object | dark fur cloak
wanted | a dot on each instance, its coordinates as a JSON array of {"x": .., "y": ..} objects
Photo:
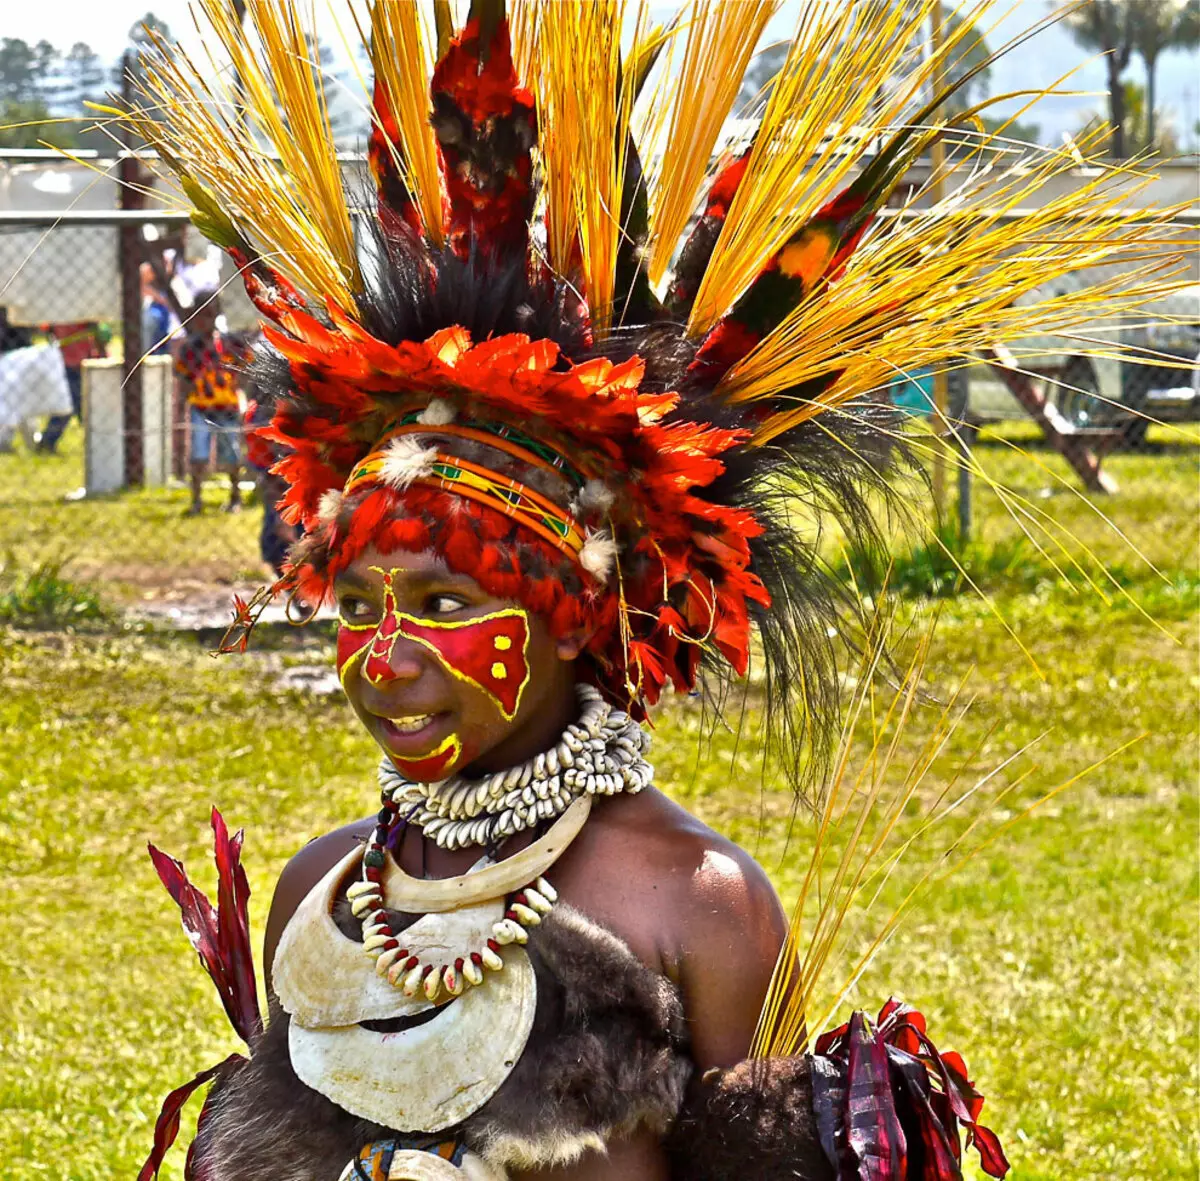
[{"x": 607, "y": 1057}]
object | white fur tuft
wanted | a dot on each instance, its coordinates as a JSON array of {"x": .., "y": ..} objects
[
  {"x": 599, "y": 555},
  {"x": 439, "y": 412},
  {"x": 405, "y": 460},
  {"x": 329, "y": 505},
  {"x": 594, "y": 496}
]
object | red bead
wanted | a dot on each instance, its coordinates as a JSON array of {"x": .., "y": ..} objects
[
  {"x": 476, "y": 959},
  {"x": 391, "y": 943},
  {"x": 493, "y": 946},
  {"x": 520, "y": 898},
  {"x": 458, "y": 964},
  {"x": 428, "y": 969},
  {"x": 511, "y": 914},
  {"x": 411, "y": 963},
  {"x": 372, "y": 874}
]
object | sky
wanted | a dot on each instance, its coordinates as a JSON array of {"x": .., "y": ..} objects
[{"x": 105, "y": 25}]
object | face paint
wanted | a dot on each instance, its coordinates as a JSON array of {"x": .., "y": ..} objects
[
  {"x": 433, "y": 766},
  {"x": 351, "y": 640},
  {"x": 489, "y": 652}
]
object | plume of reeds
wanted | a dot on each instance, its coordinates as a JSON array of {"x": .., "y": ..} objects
[
  {"x": 862, "y": 830},
  {"x": 853, "y": 72},
  {"x": 402, "y": 63},
  {"x": 571, "y": 54},
  {"x": 957, "y": 277},
  {"x": 219, "y": 136},
  {"x": 719, "y": 39}
]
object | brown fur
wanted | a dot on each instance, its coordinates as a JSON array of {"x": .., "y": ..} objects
[
  {"x": 610, "y": 1058},
  {"x": 752, "y": 1122},
  {"x": 607, "y": 1055}
]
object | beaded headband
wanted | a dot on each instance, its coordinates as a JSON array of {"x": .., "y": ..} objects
[{"x": 473, "y": 481}]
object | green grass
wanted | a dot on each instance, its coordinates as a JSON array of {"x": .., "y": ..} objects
[
  {"x": 134, "y": 544},
  {"x": 1062, "y": 961}
]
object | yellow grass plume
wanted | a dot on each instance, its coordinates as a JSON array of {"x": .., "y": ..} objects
[
  {"x": 570, "y": 54},
  {"x": 402, "y": 63},
  {"x": 861, "y": 832},
  {"x": 219, "y": 136},
  {"x": 719, "y": 39},
  {"x": 929, "y": 284}
]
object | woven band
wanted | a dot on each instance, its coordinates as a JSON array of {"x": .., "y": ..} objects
[{"x": 474, "y": 482}]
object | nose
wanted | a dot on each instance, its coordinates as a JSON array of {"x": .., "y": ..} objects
[{"x": 391, "y": 658}]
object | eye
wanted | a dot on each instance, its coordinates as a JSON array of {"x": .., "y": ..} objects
[
  {"x": 354, "y": 609},
  {"x": 444, "y": 604}
]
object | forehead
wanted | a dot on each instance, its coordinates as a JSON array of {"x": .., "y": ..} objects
[{"x": 403, "y": 567}]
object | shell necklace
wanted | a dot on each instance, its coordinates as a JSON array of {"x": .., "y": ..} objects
[
  {"x": 600, "y": 754},
  {"x": 524, "y": 906}
]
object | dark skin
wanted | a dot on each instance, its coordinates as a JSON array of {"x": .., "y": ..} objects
[{"x": 691, "y": 905}]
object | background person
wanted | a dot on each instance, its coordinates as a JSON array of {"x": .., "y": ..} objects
[
  {"x": 207, "y": 366},
  {"x": 79, "y": 341},
  {"x": 160, "y": 325}
]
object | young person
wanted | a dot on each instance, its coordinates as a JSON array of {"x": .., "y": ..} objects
[
  {"x": 207, "y": 365},
  {"x": 542, "y": 491}
]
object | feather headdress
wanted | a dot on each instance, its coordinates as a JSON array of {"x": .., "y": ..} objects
[{"x": 513, "y": 357}]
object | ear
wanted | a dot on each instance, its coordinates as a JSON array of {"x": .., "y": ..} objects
[{"x": 568, "y": 647}]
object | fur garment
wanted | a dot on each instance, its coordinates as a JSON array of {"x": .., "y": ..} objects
[
  {"x": 607, "y": 1057},
  {"x": 752, "y": 1122}
]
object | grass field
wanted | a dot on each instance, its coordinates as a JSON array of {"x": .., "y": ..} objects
[{"x": 1062, "y": 961}]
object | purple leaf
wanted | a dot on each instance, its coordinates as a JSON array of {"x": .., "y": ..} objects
[
  {"x": 166, "y": 1127},
  {"x": 874, "y": 1131}
]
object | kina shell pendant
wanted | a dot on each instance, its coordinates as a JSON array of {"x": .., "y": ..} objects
[
  {"x": 421, "y": 1078},
  {"x": 431, "y": 1076}
]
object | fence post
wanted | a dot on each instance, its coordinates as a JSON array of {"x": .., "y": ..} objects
[{"x": 130, "y": 255}]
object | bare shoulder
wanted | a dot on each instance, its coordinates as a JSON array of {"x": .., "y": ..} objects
[
  {"x": 672, "y": 846},
  {"x": 713, "y": 890},
  {"x": 715, "y": 920},
  {"x": 302, "y": 873}
]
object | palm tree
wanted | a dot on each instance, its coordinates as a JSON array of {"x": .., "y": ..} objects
[
  {"x": 1160, "y": 25},
  {"x": 1106, "y": 26}
]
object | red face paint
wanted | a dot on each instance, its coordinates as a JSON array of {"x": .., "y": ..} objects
[
  {"x": 489, "y": 652},
  {"x": 433, "y": 766}
]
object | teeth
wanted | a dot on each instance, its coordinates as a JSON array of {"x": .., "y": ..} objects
[{"x": 408, "y": 725}]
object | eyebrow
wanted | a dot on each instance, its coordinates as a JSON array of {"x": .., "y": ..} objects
[
  {"x": 348, "y": 578},
  {"x": 441, "y": 573}
]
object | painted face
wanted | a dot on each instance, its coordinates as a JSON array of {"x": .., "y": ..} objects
[{"x": 442, "y": 675}]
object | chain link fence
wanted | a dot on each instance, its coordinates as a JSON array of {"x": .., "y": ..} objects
[{"x": 107, "y": 473}]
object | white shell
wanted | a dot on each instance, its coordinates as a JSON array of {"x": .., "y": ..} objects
[
  {"x": 434, "y": 1075},
  {"x": 323, "y": 978}
]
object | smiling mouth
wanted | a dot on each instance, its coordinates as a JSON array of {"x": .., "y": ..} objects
[
  {"x": 411, "y": 724},
  {"x": 411, "y": 735}
]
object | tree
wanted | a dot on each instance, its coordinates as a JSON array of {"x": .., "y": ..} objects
[
  {"x": 1106, "y": 26},
  {"x": 972, "y": 51},
  {"x": 18, "y": 80},
  {"x": 1026, "y": 133},
  {"x": 83, "y": 76},
  {"x": 1138, "y": 124},
  {"x": 1158, "y": 26},
  {"x": 142, "y": 36}
]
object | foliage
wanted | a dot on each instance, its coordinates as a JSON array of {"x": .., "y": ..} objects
[
  {"x": 39, "y": 85},
  {"x": 1158, "y": 26},
  {"x": 942, "y": 567},
  {"x": 44, "y": 598},
  {"x": 1120, "y": 28}
]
